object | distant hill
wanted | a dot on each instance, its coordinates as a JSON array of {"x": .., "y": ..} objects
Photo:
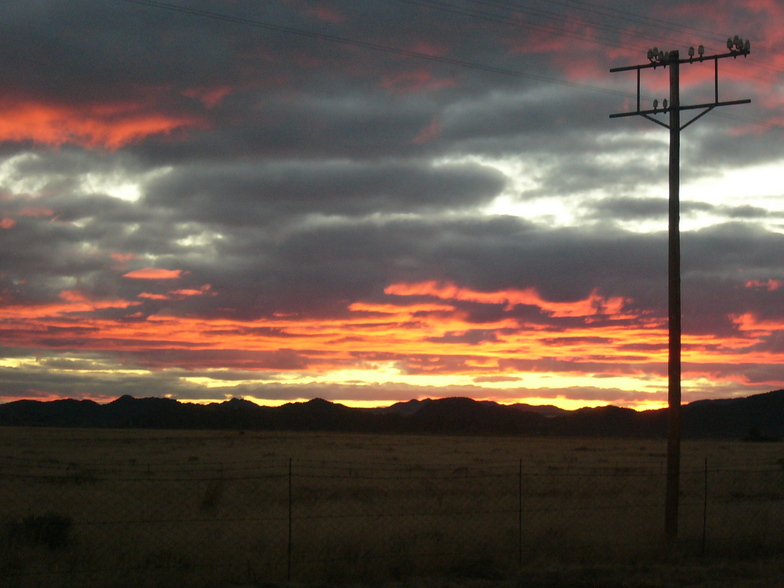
[{"x": 759, "y": 417}]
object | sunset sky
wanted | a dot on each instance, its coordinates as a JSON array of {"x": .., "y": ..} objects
[{"x": 378, "y": 200}]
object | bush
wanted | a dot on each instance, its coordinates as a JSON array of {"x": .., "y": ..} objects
[{"x": 51, "y": 530}]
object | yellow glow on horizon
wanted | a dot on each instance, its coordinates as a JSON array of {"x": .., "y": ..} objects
[
  {"x": 208, "y": 382},
  {"x": 562, "y": 403},
  {"x": 17, "y": 362},
  {"x": 367, "y": 403}
]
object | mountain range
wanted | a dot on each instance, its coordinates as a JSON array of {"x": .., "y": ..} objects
[{"x": 759, "y": 417}]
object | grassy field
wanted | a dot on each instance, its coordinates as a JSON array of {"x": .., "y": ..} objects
[{"x": 194, "y": 508}]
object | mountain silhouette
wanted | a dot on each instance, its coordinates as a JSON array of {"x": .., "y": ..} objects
[{"x": 759, "y": 417}]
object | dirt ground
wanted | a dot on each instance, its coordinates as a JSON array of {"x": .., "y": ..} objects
[{"x": 764, "y": 572}]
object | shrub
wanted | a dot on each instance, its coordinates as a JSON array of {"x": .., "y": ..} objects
[{"x": 51, "y": 530}]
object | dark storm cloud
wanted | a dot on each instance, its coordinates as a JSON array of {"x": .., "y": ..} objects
[{"x": 246, "y": 193}]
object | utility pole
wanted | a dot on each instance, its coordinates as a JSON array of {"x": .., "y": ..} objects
[{"x": 736, "y": 46}]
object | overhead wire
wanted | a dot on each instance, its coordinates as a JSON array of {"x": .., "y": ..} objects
[
  {"x": 614, "y": 40},
  {"x": 527, "y": 9},
  {"x": 441, "y": 5},
  {"x": 506, "y": 20},
  {"x": 628, "y": 16},
  {"x": 371, "y": 45},
  {"x": 647, "y": 22}
]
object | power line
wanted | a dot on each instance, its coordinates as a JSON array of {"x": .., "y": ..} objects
[
  {"x": 374, "y": 46},
  {"x": 335, "y": 39},
  {"x": 636, "y": 18},
  {"x": 526, "y": 9},
  {"x": 445, "y": 6},
  {"x": 511, "y": 21},
  {"x": 613, "y": 31}
]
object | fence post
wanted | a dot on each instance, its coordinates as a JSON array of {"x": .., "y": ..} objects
[
  {"x": 520, "y": 513},
  {"x": 288, "y": 558},
  {"x": 705, "y": 507}
]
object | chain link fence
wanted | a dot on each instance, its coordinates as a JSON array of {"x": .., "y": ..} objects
[{"x": 279, "y": 521}]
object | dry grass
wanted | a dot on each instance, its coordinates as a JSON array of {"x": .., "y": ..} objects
[{"x": 159, "y": 508}]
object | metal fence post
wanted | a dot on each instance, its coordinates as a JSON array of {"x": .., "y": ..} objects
[
  {"x": 520, "y": 513},
  {"x": 288, "y": 558},
  {"x": 705, "y": 508}
]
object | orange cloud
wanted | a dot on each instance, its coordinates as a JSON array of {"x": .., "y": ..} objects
[
  {"x": 152, "y": 273},
  {"x": 78, "y": 301},
  {"x": 420, "y": 329},
  {"x": 107, "y": 126},
  {"x": 150, "y": 296},
  {"x": 750, "y": 323},
  {"x": 593, "y": 305},
  {"x": 192, "y": 292},
  {"x": 397, "y": 309},
  {"x": 769, "y": 285}
]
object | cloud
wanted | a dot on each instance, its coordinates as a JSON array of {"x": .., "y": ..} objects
[
  {"x": 151, "y": 273},
  {"x": 269, "y": 191},
  {"x": 110, "y": 126},
  {"x": 203, "y": 206}
]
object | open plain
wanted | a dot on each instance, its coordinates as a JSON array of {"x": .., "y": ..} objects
[{"x": 96, "y": 507}]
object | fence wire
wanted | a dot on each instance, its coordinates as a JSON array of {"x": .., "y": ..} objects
[{"x": 315, "y": 521}]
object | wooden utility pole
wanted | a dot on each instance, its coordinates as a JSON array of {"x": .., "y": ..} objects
[
  {"x": 674, "y": 306},
  {"x": 672, "y": 59}
]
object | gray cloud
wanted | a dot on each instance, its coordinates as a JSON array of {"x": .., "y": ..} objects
[{"x": 263, "y": 193}]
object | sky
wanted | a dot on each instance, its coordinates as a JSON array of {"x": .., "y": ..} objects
[{"x": 380, "y": 200}]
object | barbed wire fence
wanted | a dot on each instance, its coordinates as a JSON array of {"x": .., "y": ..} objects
[{"x": 313, "y": 521}]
